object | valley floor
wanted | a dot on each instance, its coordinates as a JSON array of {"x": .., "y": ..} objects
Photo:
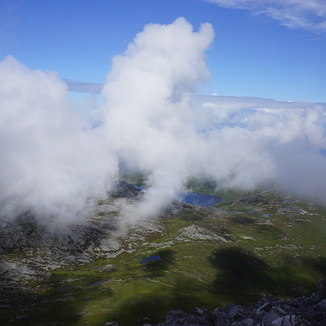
[{"x": 247, "y": 247}]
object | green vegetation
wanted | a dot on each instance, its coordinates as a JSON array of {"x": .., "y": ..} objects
[{"x": 249, "y": 246}]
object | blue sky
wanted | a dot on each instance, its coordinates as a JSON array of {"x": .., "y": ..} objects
[
  {"x": 60, "y": 149},
  {"x": 261, "y": 48}
]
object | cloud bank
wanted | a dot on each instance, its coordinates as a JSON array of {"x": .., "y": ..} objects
[
  {"x": 54, "y": 163},
  {"x": 83, "y": 87},
  {"x": 310, "y": 15}
]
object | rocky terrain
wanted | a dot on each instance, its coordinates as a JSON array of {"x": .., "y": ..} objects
[
  {"x": 269, "y": 311},
  {"x": 247, "y": 250}
]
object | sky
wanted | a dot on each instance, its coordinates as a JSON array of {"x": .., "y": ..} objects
[
  {"x": 270, "y": 49},
  {"x": 155, "y": 65}
]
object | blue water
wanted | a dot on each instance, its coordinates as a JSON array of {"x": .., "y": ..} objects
[
  {"x": 195, "y": 198},
  {"x": 93, "y": 269},
  {"x": 66, "y": 288},
  {"x": 152, "y": 258},
  {"x": 96, "y": 283},
  {"x": 140, "y": 188}
]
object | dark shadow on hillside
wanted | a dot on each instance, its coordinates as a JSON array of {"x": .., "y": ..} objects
[
  {"x": 318, "y": 264},
  {"x": 143, "y": 309},
  {"x": 20, "y": 306},
  {"x": 55, "y": 300},
  {"x": 240, "y": 273},
  {"x": 242, "y": 220},
  {"x": 28, "y": 292},
  {"x": 270, "y": 231},
  {"x": 244, "y": 278},
  {"x": 153, "y": 307},
  {"x": 14, "y": 302},
  {"x": 158, "y": 267}
]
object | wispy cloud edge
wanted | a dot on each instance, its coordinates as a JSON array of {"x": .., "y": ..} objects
[
  {"x": 309, "y": 15},
  {"x": 83, "y": 87}
]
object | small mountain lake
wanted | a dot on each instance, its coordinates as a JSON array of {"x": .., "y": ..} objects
[
  {"x": 195, "y": 198},
  {"x": 148, "y": 259}
]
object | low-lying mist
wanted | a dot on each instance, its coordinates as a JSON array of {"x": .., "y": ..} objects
[{"x": 55, "y": 164}]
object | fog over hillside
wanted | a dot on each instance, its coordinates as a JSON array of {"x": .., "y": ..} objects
[{"x": 55, "y": 163}]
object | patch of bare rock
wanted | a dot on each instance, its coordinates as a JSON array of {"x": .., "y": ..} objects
[{"x": 270, "y": 311}]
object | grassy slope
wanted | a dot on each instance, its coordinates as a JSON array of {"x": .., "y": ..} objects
[{"x": 281, "y": 255}]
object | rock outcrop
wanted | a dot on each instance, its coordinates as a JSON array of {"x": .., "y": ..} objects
[
  {"x": 270, "y": 311},
  {"x": 125, "y": 190}
]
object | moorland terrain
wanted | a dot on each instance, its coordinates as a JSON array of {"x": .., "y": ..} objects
[{"x": 251, "y": 245}]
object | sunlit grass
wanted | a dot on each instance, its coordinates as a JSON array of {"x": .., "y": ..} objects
[{"x": 282, "y": 255}]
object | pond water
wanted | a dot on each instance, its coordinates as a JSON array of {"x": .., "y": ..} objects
[
  {"x": 93, "y": 269},
  {"x": 195, "y": 198},
  {"x": 66, "y": 288},
  {"x": 97, "y": 283},
  {"x": 148, "y": 259}
]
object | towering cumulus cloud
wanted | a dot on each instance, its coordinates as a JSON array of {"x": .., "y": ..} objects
[
  {"x": 54, "y": 163},
  {"x": 147, "y": 110}
]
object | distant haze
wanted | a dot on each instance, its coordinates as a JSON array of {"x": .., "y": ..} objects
[{"x": 55, "y": 163}]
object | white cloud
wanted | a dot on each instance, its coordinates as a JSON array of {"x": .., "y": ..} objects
[
  {"x": 309, "y": 15},
  {"x": 158, "y": 126},
  {"x": 53, "y": 162},
  {"x": 83, "y": 87},
  {"x": 147, "y": 111}
]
